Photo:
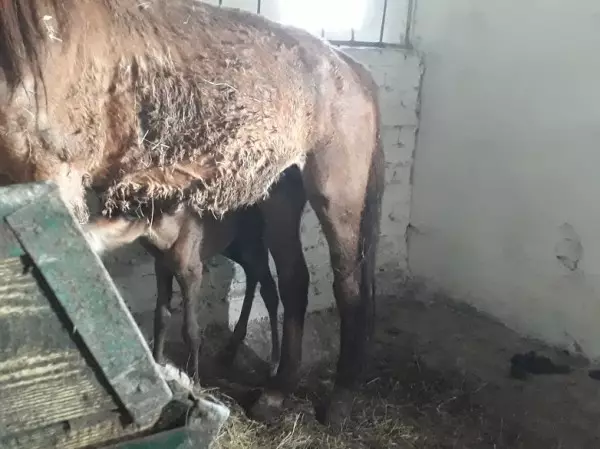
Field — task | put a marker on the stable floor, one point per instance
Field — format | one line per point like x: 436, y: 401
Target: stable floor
x: 440, y: 377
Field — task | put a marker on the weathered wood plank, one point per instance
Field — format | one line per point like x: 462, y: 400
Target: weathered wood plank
x: 12, y: 198
x: 82, y: 286
x: 16, y: 196
x: 44, y: 379
x: 85, y: 434
x: 173, y: 439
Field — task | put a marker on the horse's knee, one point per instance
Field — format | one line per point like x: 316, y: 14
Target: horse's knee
x: 346, y: 291
x: 192, y: 334
x: 162, y: 314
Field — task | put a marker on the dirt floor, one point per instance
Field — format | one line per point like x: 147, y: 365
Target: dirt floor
x: 440, y: 377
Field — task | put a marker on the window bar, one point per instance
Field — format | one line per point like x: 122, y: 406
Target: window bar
x: 220, y: 3
x: 258, y: 6
x: 369, y: 44
x: 409, y: 22
x: 351, y: 34
x: 385, y: 3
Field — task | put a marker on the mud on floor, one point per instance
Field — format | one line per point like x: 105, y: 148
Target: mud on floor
x: 438, y: 378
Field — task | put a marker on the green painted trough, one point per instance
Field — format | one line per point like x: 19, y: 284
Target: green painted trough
x: 75, y: 370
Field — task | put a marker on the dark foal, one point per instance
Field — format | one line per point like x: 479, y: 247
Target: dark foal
x: 181, y: 242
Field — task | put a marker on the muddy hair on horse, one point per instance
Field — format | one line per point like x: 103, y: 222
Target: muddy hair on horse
x: 23, y: 36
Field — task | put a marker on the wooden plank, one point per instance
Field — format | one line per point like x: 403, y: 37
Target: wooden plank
x: 91, y: 433
x: 173, y: 439
x: 12, y: 198
x: 16, y: 196
x: 84, y: 289
x: 43, y: 377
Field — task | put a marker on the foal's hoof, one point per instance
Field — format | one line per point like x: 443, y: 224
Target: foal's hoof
x: 268, y: 407
x: 337, y: 410
x: 273, y: 367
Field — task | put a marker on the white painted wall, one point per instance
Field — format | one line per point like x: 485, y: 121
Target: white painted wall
x: 398, y: 74
x: 508, y: 153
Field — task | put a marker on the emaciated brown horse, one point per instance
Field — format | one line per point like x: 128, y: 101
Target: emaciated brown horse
x: 165, y: 102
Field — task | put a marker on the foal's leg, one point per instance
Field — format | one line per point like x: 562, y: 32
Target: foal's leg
x: 189, y: 277
x: 268, y: 292
x: 239, y: 333
x: 345, y: 190
x: 253, y: 257
x: 162, y: 313
x: 255, y: 262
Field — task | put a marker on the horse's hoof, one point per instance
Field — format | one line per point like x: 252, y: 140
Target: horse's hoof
x: 268, y: 407
x: 337, y: 411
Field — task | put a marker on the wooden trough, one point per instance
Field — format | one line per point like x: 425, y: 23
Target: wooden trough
x: 75, y: 370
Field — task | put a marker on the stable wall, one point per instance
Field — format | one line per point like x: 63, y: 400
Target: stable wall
x: 506, y: 182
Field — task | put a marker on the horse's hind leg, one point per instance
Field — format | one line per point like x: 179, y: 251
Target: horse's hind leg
x: 162, y: 313
x: 282, y: 212
x: 345, y: 190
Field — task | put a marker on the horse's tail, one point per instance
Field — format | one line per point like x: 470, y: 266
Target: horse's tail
x: 370, y: 225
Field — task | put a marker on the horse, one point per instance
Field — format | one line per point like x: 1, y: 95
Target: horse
x: 170, y: 102
x: 181, y: 242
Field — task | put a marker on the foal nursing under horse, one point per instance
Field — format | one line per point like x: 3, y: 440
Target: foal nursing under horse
x: 181, y: 242
x: 170, y: 102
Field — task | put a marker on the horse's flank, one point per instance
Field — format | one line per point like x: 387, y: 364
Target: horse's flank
x: 163, y: 101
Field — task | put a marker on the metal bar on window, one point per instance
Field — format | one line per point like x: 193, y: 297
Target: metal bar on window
x: 385, y: 3
x: 409, y: 22
x: 371, y: 44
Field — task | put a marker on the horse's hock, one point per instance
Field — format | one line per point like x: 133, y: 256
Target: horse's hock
x: 75, y: 370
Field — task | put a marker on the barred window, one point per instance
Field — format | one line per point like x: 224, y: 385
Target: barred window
x: 358, y: 22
